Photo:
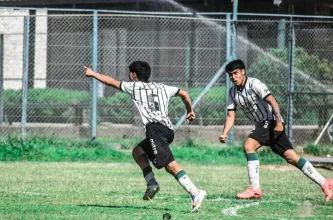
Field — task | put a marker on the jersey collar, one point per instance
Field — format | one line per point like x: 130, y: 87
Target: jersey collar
x: 241, y: 88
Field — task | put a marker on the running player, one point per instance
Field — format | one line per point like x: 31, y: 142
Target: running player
x: 260, y: 106
x: 152, y: 100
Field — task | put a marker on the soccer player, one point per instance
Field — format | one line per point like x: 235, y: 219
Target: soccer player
x: 152, y: 100
x: 260, y: 106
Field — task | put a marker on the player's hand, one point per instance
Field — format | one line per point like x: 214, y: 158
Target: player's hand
x: 89, y: 72
x: 223, y: 138
x: 190, y: 117
x: 278, y: 127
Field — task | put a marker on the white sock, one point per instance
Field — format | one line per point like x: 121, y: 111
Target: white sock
x: 312, y: 173
x: 187, y: 184
x: 253, y: 173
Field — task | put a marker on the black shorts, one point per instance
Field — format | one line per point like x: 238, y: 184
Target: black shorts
x: 156, y: 145
x: 278, y: 141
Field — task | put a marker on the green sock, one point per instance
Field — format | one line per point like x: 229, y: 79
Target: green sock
x: 309, y: 171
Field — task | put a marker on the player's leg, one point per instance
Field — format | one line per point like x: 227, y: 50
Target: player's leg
x: 308, y: 170
x: 140, y: 157
x: 160, y: 138
x: 182, y: 178
x: 253, y: 191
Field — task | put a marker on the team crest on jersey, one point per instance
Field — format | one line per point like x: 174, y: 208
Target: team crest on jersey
x: 249, y: 91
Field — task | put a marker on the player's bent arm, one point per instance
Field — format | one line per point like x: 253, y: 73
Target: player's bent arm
x: 275, y: 106
x: 227, y: 126
x: 229, y: 122
x: 186, y: 99
x: 103, y: 78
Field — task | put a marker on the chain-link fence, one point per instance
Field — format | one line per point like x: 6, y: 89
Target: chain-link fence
x: 46, y: 53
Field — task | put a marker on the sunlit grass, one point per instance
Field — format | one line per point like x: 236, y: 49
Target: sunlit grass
x: 33, y: 190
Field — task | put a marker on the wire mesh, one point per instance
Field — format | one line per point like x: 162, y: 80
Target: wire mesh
x: 183, y: 51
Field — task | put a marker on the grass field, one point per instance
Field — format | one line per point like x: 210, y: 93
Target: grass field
x: 61, y: 190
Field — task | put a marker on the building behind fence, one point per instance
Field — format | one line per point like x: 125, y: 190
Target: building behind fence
x: 44, y: 55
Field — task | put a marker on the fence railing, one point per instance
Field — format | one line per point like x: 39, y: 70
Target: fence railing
x: 44, y: 55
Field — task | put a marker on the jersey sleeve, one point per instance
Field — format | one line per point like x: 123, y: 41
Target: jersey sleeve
x: 171, y: 90
x: 231, y: 104
x: 260, y: 89
x: 127, y: 87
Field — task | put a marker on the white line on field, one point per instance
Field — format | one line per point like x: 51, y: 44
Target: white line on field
x: 33, y: 193
x: 233, y: 210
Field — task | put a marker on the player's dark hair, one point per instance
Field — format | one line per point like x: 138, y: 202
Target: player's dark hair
x: 142, y: 70
x: 233, y: 65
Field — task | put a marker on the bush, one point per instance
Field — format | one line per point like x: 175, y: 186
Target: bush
x: 58, y: 149
x: 318, y: 150
x: 275, y: 76
x: 44, y: 105
x: 209, y: 111
x: 107, y: 150
x: 58, y: 106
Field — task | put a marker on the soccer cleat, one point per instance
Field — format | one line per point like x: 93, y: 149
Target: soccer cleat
x: 327, y: 188
x: 197, y: 200
x: 250, y: 193
x: 151, y: 191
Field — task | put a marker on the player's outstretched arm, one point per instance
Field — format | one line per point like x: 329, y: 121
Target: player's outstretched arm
x: 102, y: 78
x: 188, y: 103
x: 229, y: 122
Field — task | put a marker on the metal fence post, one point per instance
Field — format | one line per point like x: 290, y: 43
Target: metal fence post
x: 291, y: 79
x: 32, y: 44
x: 1, y: 81
x: 188, y: 62
x: 25, y: 78
x: 217, y: 75
x: 193, y: 37
x: 230, y: 139
x: 281, y: 34
x: 94, y: 81
x: 234, y: 26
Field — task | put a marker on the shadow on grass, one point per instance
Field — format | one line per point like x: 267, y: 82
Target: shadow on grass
x: 123, y: 207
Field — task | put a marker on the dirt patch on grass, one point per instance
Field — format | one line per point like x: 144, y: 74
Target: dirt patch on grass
x: 283, y: 168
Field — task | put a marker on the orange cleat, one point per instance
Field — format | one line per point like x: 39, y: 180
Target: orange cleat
x: 328, y: 189
x: 250, y: 193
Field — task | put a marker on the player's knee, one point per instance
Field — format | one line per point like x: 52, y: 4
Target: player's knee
x: 291, y: 157
x: 137, y: 151
x: 248, y: 148
x: 170, y: 166
x: 291, y: 160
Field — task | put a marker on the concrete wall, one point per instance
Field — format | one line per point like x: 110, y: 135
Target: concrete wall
x: 12, y: 27
x: 40, y: 49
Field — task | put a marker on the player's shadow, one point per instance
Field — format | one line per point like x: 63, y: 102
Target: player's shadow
x: 124, y: 207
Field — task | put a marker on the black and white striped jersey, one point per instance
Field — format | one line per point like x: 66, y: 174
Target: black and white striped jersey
x: 251, y: 99
x: 151, y: 99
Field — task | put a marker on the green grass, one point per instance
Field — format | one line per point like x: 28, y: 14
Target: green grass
x: 49, y: 149
x: 62, y: 190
